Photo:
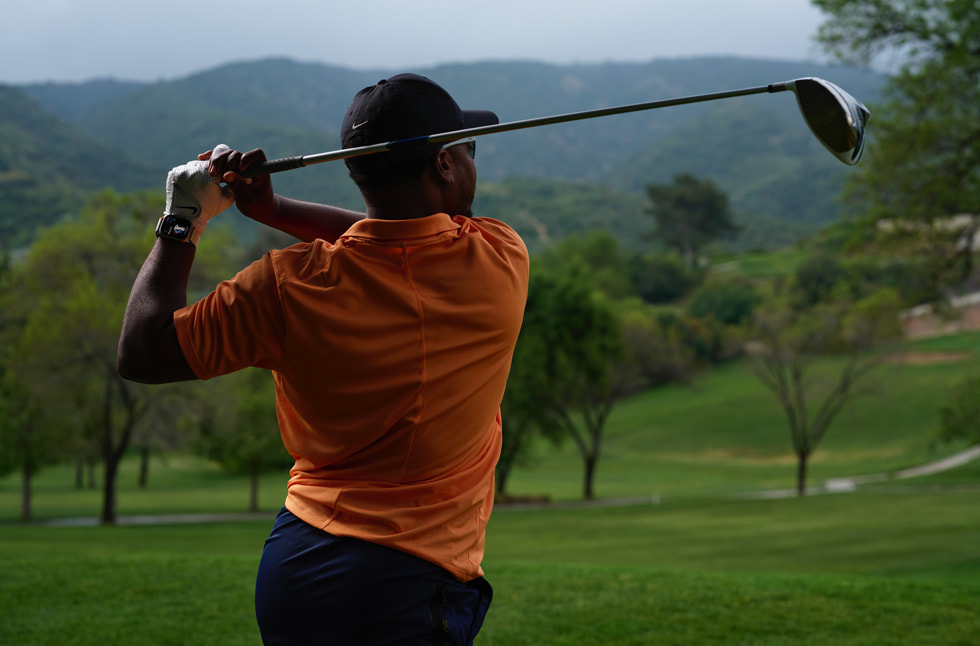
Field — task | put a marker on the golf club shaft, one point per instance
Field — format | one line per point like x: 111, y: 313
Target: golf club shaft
x: 289, y: 163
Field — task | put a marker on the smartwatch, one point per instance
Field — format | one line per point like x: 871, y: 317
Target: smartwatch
x: 177, y: 228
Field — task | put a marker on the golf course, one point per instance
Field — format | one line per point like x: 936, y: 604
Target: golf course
x: 694, y: 536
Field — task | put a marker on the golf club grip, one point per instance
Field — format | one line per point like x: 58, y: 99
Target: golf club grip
x: 274, y: 166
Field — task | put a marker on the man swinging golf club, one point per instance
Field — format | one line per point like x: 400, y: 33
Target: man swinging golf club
x: 389, y: 335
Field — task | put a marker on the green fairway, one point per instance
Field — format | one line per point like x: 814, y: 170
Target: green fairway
x: 575, y: 605
x: 923, y: 535
x: 878, y: 568
x: 701, y: 554
x: 178, y: 484
x: 726, y: 434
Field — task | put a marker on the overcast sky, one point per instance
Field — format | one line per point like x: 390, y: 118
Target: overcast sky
x: 75, y: 40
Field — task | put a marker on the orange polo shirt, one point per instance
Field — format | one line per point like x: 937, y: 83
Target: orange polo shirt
x: 390, y: 352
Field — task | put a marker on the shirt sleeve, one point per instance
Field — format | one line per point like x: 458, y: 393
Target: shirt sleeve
x: 238, y: 325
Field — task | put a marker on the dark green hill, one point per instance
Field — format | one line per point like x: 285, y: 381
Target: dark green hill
x: 782, y: 184
x: 545, y: 210
x: 269, y: 102
x: 69, y: 101
x: 46, y: 167
x: 595, y: 148
x: 756, y: 148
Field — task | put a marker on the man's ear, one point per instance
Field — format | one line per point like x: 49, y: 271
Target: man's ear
x: 443, y: 166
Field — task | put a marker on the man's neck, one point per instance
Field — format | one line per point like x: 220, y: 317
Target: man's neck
x: 406, y: 202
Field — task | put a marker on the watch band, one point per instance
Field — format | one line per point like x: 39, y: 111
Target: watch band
x: 177, y: 228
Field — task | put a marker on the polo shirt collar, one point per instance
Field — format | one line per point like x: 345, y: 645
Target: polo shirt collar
x: 401, y: 229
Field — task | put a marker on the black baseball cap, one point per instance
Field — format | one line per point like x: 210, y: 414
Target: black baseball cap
x: 402, y: 107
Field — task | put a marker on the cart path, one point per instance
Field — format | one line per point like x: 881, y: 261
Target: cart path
x: 834, y: 485
x: 849, y: 484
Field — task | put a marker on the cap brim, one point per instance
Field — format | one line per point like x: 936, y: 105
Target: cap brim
x: 477, y: 118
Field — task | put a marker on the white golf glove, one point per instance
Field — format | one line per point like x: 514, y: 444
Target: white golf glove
x: 195, y: 195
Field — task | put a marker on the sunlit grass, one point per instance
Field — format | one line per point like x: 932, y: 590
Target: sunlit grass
x: 688, y: 561
x: 178, y: 484
x: 726, y: 433
x: 877, y: 568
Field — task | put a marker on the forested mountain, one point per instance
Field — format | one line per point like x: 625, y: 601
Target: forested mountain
x: 61, y: 140
x: 47, y: 166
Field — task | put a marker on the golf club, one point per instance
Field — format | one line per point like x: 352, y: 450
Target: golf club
x: 835, y: 117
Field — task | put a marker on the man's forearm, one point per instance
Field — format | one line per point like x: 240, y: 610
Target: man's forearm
x: 148, y: 347
x: 308, y: 221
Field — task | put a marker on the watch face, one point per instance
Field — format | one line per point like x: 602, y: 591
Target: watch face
x: 174, y: 227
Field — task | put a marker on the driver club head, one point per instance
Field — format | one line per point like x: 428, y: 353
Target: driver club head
x: 835, y: 117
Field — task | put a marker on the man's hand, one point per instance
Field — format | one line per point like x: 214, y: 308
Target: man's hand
x: 195, y: 195
x: 253, y: 196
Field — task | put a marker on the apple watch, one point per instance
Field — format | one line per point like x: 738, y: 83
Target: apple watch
x: 177, y: 228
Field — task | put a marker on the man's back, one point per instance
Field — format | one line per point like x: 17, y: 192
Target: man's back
x: 390, y: 352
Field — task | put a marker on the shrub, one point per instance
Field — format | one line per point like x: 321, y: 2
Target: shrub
x: 660, y: 278
x: 728, y: 302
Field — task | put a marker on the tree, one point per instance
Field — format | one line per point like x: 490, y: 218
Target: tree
x: 70, y: 294
x: 923, y: 166
x: 660, y: 278
x: 19, y: 442
x: 816, y: 278
x: 789, y: 342
x: 657, y: 352
x: 920, y: 32
x: 23, y: 442
x: 71, y: 325
x: 599, y: 252
x: 689, y: 214
x: 79, y: 273
x: 729, y: 302
x: 524, y: 418
x: 959, y: 417
x: 238, y: 427
x: 571, y: 338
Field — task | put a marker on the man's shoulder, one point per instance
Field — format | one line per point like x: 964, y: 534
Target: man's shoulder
x: 300, y: 251
x: 497, y: 228
x: 292, y: 260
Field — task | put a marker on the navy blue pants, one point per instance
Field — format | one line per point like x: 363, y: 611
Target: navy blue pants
x: 315, y: 588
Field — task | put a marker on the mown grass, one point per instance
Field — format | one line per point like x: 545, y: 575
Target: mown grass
x: 726, y: 433
x: 692, y: 561
x: 581, y: 604
x: 178, y: 484
x: 912, y: 534
x: 846, y: 569
x: 762, y: 264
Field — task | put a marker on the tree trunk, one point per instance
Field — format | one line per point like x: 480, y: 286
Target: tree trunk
x: 110, y: 458
x: 144, y: 466
x: 113, y: 452
x: 25, y: 492
x: 515, y: 436
x: 801, y: 466
x: 109, y: 491
x: 500, y: 481
x: 590, y: 464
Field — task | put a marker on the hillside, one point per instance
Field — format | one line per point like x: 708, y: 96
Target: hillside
x: 756, y: 148
x: 47, y: 167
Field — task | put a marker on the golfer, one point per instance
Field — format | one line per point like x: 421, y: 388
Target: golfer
x: 389, y: 335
